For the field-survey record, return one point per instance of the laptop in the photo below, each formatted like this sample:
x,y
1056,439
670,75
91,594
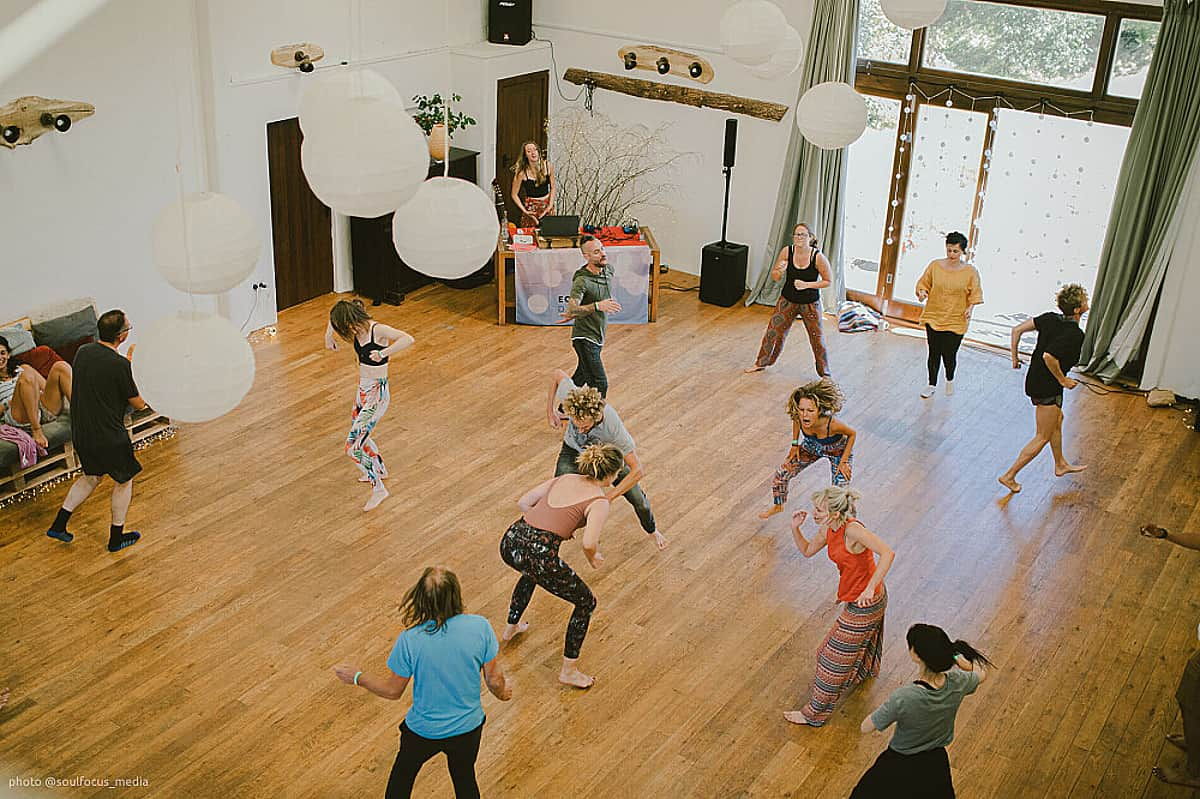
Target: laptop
x,y
564,226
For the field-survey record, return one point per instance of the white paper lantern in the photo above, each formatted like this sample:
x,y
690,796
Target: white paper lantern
x,y
368,161
752,30
831,115
913,14
193,366
326,95
206,244
786,59
448,230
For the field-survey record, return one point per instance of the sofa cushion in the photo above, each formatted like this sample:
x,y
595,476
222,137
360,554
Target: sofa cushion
x,y
68,329
67,351
19,340
40,358
57,433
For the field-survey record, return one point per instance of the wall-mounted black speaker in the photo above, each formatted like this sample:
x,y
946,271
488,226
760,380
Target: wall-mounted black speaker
x,y
510,21
730,141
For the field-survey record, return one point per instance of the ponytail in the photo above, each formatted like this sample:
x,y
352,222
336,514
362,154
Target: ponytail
x,y
937,651
970,653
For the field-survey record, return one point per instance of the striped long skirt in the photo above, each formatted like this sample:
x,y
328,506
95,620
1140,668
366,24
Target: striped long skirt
x,y
849,654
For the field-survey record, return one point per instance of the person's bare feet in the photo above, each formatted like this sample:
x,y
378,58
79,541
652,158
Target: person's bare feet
x,y
660,540
1062,469
576,678
40,439
513,630
752,369
766,514
796,717
1175,776
1009,483
377,495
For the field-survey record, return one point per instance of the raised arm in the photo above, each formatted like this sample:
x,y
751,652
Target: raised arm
x,y
807,548
496,680
392,686
1028,326
397,340
636,473
859,534
556,378
780,267
825,273
531,497
597,514
330,337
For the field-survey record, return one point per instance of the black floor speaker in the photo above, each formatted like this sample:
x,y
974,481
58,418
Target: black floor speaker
x,y
510,21
723,273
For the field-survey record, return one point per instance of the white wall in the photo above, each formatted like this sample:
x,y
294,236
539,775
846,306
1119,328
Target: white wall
x,y
76,209
695,216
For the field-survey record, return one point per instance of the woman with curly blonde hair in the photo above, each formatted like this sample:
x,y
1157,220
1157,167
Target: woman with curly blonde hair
x,y
853,649
552,513
816,434
534,178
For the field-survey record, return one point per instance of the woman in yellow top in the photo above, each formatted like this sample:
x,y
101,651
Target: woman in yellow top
x,y
949,288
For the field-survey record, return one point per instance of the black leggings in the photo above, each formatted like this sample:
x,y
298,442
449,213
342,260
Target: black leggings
x,y
534,553
943,348
461,751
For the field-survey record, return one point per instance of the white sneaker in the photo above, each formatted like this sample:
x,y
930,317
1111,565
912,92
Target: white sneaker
x,y
949,388
928,392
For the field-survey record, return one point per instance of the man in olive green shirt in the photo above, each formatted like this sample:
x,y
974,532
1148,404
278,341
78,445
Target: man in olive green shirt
x,y
589,305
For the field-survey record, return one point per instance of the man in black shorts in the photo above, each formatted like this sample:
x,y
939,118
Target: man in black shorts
x,y
102,390
1059,343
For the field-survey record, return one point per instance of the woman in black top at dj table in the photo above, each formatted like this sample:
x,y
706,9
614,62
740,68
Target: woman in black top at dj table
x,y
533,178
804,271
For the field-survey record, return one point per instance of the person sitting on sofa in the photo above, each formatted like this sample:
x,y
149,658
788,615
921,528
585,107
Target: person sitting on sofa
x,y
26,398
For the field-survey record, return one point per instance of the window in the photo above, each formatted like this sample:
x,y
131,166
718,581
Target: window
x,y
879,39
868,192
1131,62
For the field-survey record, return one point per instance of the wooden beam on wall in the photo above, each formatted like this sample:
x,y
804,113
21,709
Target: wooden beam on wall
x,y
651,90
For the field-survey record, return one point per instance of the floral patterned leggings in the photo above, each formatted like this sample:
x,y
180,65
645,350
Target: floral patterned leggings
x,y
369,406
781,322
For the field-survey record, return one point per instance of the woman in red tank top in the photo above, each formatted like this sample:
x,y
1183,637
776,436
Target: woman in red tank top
x,y
852,650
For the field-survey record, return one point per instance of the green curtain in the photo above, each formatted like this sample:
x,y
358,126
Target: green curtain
x,y
1146,207
813,186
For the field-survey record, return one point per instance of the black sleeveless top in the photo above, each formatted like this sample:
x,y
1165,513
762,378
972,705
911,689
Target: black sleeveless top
x,y
532,189
364,350
809,274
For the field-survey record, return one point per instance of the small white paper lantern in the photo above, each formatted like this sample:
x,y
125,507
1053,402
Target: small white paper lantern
x,y
368,161
913,14
447,230
205,244
786,59
193,366
326,95
752,30
831,115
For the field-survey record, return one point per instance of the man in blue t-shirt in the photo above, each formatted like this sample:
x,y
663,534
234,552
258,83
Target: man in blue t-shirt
x,y
442,652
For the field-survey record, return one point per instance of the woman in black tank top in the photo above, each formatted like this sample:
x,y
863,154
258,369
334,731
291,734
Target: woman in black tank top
x,y
374,343
800,296
534,179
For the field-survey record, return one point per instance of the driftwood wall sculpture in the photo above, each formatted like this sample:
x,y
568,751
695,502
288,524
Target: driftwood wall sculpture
x,y
27,118
652,90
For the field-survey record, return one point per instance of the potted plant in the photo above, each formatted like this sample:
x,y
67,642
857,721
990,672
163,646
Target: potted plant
x,y
431,117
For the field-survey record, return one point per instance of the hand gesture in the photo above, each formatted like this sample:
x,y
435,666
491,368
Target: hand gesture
x,y
844,469
596,560
799,284
660,540
345,672
865,597
922,295
376,356
1153,531
1071,383
555,420
506,692
1017,363
799,517
331,343
609,306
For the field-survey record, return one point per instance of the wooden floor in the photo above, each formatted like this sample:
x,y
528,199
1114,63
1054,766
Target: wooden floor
x,y
200,660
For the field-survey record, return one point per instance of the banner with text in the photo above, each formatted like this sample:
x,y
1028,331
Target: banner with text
x,y
543,280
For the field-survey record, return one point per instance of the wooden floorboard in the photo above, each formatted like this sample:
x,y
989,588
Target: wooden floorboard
x,y
200,660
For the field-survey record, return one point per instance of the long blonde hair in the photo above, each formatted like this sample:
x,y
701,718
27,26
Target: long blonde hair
x,y
523,167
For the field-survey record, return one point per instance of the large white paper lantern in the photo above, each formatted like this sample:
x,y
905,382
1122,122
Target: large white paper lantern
x,y
752,30
913,14
831,115
326,95
786,59
205,244
193,366
447,230
368,161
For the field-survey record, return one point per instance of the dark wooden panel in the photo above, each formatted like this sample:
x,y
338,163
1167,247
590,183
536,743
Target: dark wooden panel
x,y
521,110
300,223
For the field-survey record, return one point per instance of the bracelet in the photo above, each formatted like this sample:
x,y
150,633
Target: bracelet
x,y
357,674
795,442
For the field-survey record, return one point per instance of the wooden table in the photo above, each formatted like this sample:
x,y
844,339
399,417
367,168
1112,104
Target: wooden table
x,y
506,259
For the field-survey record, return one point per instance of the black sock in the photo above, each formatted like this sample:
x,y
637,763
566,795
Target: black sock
x,y
114,534
60,521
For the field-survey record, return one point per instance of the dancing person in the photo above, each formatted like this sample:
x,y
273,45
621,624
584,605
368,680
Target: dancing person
x,y
374,343
806,271
915,762
1059,343
1187,694
587,419
812,407
950,288
28,400
533,176
552,512
442,651
102,388
588,308
852,650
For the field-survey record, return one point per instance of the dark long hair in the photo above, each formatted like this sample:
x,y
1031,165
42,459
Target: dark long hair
x,y
436,597
10,368
347,317
937,651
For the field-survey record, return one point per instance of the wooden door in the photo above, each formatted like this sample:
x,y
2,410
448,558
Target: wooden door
x,y
300,223
522,105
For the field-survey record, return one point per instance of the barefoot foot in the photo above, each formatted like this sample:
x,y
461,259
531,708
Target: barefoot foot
x,y
377,495
1009,483
513,630
797,717
1061,469
752,369
576,679
766,514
